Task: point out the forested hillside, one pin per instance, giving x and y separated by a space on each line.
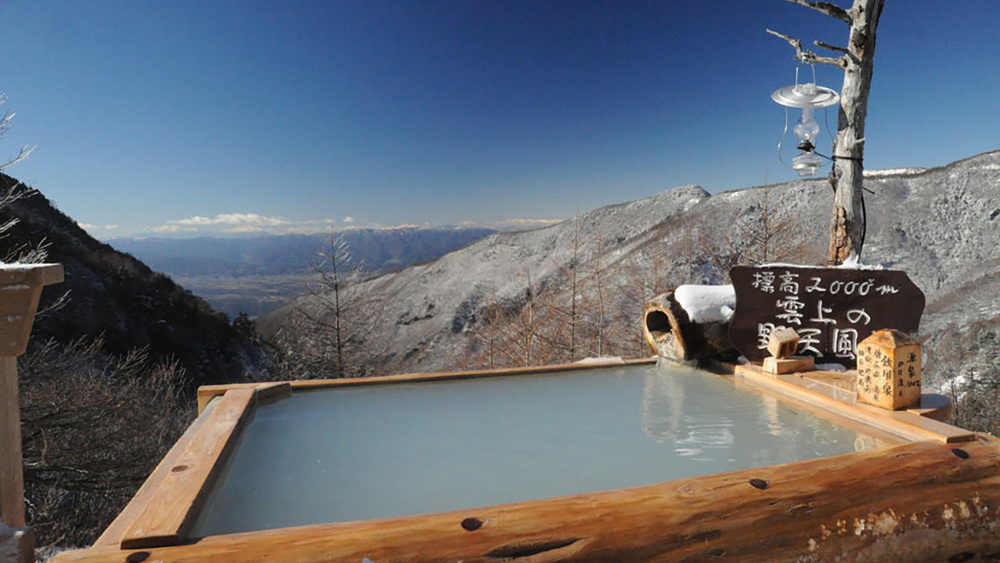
117 297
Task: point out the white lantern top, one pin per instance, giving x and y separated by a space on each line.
805 96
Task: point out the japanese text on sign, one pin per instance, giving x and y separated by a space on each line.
832 309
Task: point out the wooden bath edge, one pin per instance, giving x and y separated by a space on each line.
207 392
159 515
917 501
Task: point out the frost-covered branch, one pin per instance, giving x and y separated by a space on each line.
6 122
826 8
808 56
26 151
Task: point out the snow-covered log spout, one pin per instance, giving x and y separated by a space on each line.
690 322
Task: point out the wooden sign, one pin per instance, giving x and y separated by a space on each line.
831 309
783 343
889 370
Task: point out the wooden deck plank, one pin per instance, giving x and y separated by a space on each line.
946 432
903 423
450 375
114 533
934 406
264 391
206 392
171 511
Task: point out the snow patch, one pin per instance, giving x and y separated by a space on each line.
601 360
850 264
707 303
893 172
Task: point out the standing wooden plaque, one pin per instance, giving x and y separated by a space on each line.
889 370
832 309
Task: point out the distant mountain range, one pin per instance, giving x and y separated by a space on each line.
256 274
377 250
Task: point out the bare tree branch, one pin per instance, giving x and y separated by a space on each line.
6 122
847 53
829 47
22 155
808 56
826 8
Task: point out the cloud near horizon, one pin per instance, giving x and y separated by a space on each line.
223 222
90 227
241 223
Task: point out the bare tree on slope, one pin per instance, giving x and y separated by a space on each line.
326 334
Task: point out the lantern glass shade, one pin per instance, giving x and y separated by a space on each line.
806 97
806 163
806 129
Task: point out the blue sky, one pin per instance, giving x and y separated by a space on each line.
209 116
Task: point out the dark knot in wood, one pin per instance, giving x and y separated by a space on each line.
472 524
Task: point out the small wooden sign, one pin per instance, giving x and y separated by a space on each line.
783 343
831 309
889 370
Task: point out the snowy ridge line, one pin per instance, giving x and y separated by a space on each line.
893 172
853 265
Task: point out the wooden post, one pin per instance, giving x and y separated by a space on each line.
889 370
847 225
20 288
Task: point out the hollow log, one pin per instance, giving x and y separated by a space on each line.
670 332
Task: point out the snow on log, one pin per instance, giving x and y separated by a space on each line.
707 303
690 322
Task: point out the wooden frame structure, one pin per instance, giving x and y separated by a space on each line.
930 498
20 289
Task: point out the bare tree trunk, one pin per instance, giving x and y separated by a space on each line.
600 308
573 290
326 334
337 312
847 226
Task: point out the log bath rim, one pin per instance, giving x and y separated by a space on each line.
931 499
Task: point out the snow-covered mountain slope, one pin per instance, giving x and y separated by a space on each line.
941 225
431 304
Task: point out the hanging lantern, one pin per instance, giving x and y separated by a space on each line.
807 97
